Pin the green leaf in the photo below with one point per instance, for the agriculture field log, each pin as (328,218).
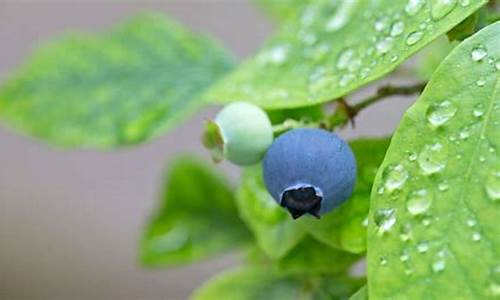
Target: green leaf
(277,233)
(433,230)
(282,10)
(361,294)
(197,217)
(116,88)
(315,258)
(335,47)
(465,29)
(259,283)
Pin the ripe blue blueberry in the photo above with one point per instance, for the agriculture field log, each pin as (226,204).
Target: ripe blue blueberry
(309,171)
(241,132)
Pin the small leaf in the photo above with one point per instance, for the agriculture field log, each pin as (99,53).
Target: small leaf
(277,233)
(436,222)
(197,217)
(115,88)
(253,283)
(361,294)
(315,258)
(331,48)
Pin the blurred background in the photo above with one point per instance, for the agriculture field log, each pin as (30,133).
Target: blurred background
(70,221)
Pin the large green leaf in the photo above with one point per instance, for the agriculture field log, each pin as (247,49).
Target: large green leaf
(196,219)
(118,87)
(334,47)
(433,228)
(277,233)
(263,284)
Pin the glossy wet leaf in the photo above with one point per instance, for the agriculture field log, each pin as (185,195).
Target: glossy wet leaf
(196,217)
(253,283)
(334,47)
(277,233)
(436,235)
(118,87)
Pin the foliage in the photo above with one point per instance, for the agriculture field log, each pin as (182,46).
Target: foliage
(424,208)
(116,88)
(434,207)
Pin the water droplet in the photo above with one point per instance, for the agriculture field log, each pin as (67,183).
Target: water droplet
(494,289)
(276,55)
(341,16)
(464,3)
(344,58)
(384,218)
(438,266)
(426,222)
(492,186)
(441,8)
(394,177)
(383,261)
(464,133)
(497,64)
(412,156)
(397,28)
(480,82)
(414,6)
(478,110)
(381,23)
(418,202)
(423,247)
(476,236)
(365,222)
(443,186)
(440,113)
(414,37)
(384,45)
(394,58)
(433,158)
(404,257)
(471,222)
(478,53)
(482,159)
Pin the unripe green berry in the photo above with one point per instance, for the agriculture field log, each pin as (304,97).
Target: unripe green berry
(244,131)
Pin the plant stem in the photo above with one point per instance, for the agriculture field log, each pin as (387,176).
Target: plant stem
(345,112)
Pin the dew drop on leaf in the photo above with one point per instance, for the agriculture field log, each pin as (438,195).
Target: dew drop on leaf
(497,64)
(492,186)
(443,186)
(344,58)
(414,6)
(438,266)
(385,218)
(346,79)
(464,3)
(405,233)
(414,37)
(423,247)
(397,28)
(383,261)
(478,110)
(476,236)
(480,82)
(381,23)
(439,113)
(394,177)
(478,53)
(384,45)
(433,158)
(441,8)
(405,256)
(419,202)
(341,16)
(471,223)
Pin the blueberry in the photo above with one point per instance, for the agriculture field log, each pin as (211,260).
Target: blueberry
(309,171)
(241,132)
